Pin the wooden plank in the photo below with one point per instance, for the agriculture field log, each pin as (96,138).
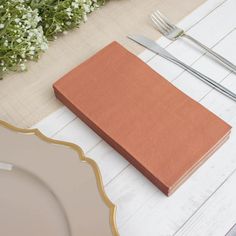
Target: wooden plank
(217,215)
(79,133)
(55,122)
(110,162)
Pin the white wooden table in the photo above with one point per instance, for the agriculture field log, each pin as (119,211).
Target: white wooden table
(206,203)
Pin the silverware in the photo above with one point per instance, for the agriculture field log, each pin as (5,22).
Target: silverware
(232,231)
(172,32)
(153,46)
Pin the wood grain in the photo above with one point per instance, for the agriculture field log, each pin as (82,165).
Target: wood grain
(26,98)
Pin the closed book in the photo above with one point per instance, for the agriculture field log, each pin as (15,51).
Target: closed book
(164,133)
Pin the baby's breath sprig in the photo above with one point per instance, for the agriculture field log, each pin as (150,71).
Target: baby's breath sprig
(61,16)
(21,36)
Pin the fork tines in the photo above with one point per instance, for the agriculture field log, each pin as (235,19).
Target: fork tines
(161,22)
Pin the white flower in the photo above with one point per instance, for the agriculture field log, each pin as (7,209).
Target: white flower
(22,67)
(5,43)
(58,28)
(32,48)
(86,8)
(2,26)
(44,46)
(68,9)
(31,53)
(75,4)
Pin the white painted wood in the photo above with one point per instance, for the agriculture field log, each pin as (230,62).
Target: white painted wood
(55,122)
(217,215)
(110,162)
(79,133)
(142,208)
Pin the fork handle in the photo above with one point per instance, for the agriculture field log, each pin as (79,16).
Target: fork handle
(224,61)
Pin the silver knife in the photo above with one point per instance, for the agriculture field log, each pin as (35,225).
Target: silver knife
(154,47)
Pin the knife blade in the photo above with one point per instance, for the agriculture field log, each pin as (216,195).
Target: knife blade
(150,44)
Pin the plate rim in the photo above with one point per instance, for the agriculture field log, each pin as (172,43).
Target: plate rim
(112,207)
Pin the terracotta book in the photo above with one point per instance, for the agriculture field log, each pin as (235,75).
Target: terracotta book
(164,133)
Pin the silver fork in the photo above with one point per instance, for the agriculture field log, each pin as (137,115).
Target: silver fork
(172,32)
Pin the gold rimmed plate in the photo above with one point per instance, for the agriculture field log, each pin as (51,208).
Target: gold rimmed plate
(49,187)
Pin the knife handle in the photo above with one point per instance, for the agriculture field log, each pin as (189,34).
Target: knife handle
(204,78)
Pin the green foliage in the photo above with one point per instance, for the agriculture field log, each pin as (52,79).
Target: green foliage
(21,36)
(27,25)
(60,16)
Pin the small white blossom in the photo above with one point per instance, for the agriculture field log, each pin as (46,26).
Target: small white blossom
(32,48)
(86,8)
(22,67)
(75,4)
(5,43)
